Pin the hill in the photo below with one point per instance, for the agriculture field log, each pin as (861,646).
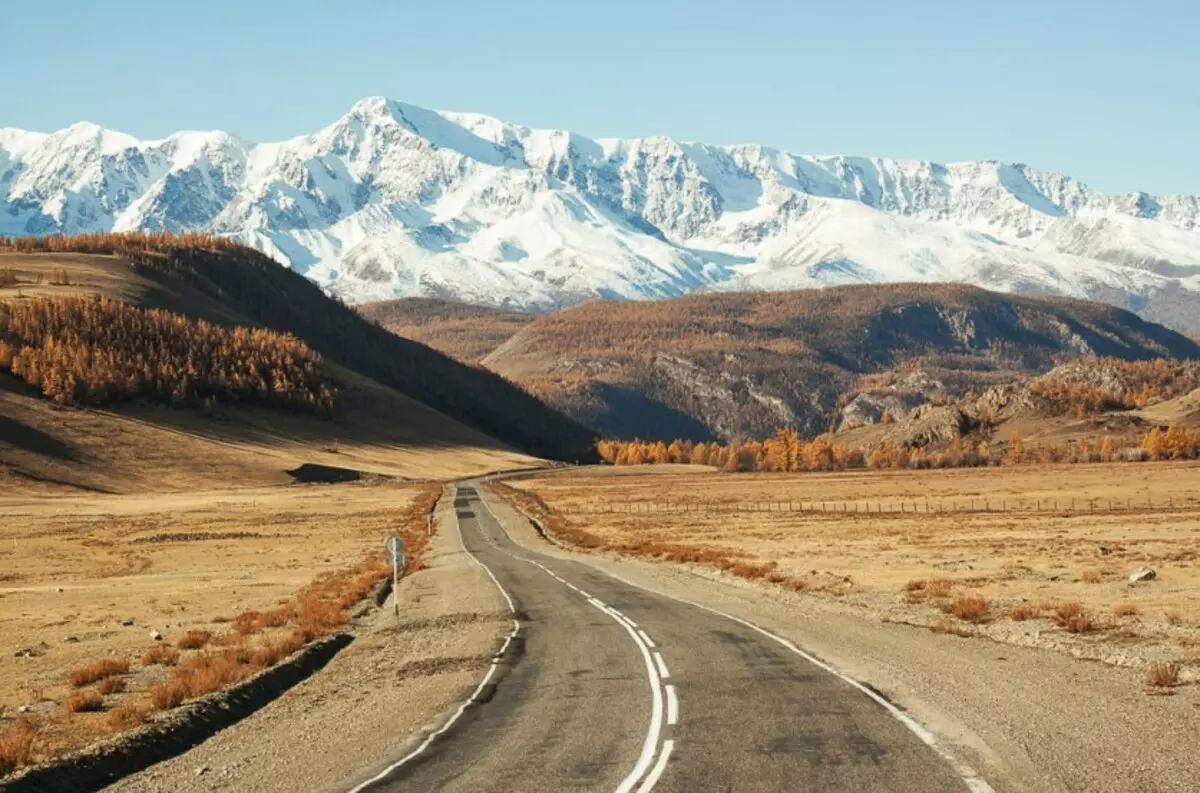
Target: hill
(266,361)
(392,200)
(465,332)
(744,364)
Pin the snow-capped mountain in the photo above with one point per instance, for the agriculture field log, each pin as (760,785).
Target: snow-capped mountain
(392,200)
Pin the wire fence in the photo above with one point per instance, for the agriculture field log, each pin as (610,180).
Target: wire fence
(928,506)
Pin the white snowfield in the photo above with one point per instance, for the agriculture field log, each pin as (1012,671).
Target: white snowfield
(392,200)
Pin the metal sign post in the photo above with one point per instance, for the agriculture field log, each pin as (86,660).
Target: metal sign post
(395,549)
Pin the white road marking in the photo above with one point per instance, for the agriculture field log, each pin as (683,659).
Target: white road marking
(662,666)
(974,782)
(646,638)
(653,665)
(672,706)
(429,739)
(659,767)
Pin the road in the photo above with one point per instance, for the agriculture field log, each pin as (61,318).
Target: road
(603,686)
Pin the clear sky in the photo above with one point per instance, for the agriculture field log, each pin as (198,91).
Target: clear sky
(1106,91)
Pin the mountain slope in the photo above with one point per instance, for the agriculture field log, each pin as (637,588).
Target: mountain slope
(393,200)
(745,364)
(231,284)
(463,331)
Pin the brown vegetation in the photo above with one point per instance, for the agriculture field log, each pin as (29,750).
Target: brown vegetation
(80,350)
(1105,384)
(83,702)
(1073,618)
(1125,610)
(111,685)
(193,640)
(463,331)
(970,609)
(126,716)
(16,745)
(97,671)
(1023,612)
(160,654)
(1163,675)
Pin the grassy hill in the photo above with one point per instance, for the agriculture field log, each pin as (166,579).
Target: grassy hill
(742,365)
(465,332)
(399,407)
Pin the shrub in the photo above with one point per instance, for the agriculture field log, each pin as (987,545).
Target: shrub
(16,745)
(111,685)
(97,670)
(1024,612)
(1091,577)
(1163,675)
(170,694)
(1173,618)
(160,654)
(193,640)
(1073,618)
(125,716)
(970,609)
(83,702)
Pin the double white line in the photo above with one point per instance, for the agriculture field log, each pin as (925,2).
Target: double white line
(648,769)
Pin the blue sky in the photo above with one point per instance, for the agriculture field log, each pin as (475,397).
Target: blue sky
(1106,91)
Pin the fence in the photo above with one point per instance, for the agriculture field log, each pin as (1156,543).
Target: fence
(886,507)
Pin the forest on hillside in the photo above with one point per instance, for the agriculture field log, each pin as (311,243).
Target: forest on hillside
(96,350)
(267,293)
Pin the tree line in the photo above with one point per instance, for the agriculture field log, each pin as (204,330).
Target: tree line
(96,350)
(788,451)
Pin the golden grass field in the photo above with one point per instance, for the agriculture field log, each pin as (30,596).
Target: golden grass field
(1022,563)
(76,569)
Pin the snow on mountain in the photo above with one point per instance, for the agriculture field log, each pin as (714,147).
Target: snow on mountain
(394,200)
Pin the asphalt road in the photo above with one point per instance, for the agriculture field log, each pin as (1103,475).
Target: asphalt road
(608,687)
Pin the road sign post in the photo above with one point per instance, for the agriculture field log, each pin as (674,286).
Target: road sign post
(395,549)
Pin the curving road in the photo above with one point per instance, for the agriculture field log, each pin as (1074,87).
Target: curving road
(603,686)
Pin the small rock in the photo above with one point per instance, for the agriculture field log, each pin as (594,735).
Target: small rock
(1142,574)
(1103,549)
(127,621)
(71,640)
(23,709)
(27,652)
(155,635)
(202,770)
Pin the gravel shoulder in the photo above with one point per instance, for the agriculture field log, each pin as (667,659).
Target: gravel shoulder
(1031,720)
(399,679)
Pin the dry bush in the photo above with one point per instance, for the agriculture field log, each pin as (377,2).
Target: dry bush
(8,277)
(111,685)
(16,745)
(1173,618)
(939,587)
(249,622)
(1024,612)
(1073,618)
(97,670)
(83,702)
(126,716)
(60,277)
(1091,577)
(1125,610)
(160,654)
(1163,675)
(193,640)
(170,694)
(970,609)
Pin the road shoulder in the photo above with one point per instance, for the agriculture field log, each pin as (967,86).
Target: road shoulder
(1027,719)
(399,679)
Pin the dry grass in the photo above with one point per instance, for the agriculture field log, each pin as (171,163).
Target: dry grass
(83,702)
(111,685)
(126,716)
(1023,612)
(970,609)
(194,640)
(160,654)
(96,671)
(948,627)
(1163,675)
(1173,618)
(170,694)
(1125,610)
(1032,541)
(1072,617)
(16,745)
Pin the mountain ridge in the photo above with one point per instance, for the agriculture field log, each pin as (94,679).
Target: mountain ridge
(393,200)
